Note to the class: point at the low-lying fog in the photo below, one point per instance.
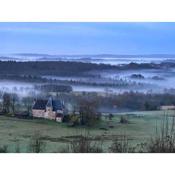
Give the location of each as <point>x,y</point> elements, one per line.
<point>20,88</point>
<point>153,80</point>
<point>112,60</point>
<point>121,61</point>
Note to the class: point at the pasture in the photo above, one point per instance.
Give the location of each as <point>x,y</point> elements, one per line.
<point>141,126</point>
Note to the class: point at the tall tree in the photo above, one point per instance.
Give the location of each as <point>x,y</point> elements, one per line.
<point>6,102</point>
<point>88,112</point>
<point>14,99</point>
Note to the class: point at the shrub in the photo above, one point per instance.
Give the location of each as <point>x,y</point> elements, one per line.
<point>164,141</point>
<point>84,144</point>
<point>36,144</point>
<point>123,120</point>
<point>121,146</point>
<point>4,149</point>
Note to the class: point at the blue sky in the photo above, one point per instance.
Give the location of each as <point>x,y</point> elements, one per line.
<point>87,38</point>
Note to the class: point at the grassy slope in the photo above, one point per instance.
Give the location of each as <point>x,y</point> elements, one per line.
<point>142,125</point>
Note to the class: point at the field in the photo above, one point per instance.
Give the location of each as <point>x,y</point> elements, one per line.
<point>18,132</point>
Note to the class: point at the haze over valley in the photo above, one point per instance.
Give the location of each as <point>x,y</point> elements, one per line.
<point>122,73</point>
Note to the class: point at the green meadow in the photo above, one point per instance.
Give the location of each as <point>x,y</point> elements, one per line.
<point>17,133</point>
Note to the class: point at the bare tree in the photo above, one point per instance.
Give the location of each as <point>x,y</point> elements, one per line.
<point>28,101</point>
<point>14,99</point>
<point>88,114</point>
<point>6,102</point>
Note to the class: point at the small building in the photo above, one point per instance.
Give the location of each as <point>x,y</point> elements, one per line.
<point>49,109</point>
<point>167,107</point>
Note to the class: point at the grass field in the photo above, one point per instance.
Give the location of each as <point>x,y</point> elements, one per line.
<point>17,132</point>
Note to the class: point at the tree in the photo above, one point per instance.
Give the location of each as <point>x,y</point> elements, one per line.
<point>88,114</point>
<point>74,119</point>
<point>6,102</point>
<point>14,99</point>
<point>28,101</point>
<point>110,116</point>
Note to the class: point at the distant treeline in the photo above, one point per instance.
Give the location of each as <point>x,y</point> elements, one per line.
<point>49,68</point>
<point>40,79</point>
<point>53,88</point>
<point>62,68</point>
<point>128,100</point>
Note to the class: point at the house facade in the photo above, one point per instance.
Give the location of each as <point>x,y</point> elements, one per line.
<point>167,107</point>
<point>49,109</point>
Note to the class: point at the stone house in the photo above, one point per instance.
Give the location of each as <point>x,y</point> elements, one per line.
<point>49,109</point>
<point>167,107</point>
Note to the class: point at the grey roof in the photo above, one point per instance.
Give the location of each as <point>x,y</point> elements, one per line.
<point>40,104</point>
<point>55,104</point>
<point>49,102</point>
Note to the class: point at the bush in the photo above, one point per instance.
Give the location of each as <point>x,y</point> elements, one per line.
<point>36,144</point>
<point>163,142</point>
<point>3,149</point>
<point>83,144</point>
<point>74,120</point>
<point>123,120</point>
<point>121,146</point>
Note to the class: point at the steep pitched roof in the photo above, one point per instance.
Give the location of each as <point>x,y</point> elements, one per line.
<point>57,105</point>
<point>40,104</point>
<point>49,102</point>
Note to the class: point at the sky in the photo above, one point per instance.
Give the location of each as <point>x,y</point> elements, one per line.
<point>87,38</point>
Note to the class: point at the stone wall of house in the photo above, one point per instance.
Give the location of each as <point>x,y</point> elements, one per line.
<point>48,114</point>
<point>38,113</point>
<point>58,119</point>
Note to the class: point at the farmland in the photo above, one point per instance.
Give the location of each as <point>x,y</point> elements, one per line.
<point>141,126</point>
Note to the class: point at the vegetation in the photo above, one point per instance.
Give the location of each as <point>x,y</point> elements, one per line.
<point>83,144</point>
<point>4,149</point>
<point>164,141</point>
<point>61,68</point>
<point>6,103</point>
<point>137,76</point>
<point>36,144</point>
<point>104,131</point>
<point>124,120</point>
<point>139,135</point>
<point>121,145</point>
<point>64,68</point>
<point>54,88</point>
<point>88,114</point>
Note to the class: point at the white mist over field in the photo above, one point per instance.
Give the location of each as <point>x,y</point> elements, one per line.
<point>106,81</point>
<point>20,88</point>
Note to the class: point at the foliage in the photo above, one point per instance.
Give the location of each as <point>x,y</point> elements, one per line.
<point>88,113</point>
<point>74,120</point>
<point>54,88</point>
<point>36,144</point>
<point>4,149</point>
<point>164,142</point>
<point>123,120</point>
<point>27,102</point>
<point>83,144</point>
<point>121,145</point>
<point>6,102</point>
